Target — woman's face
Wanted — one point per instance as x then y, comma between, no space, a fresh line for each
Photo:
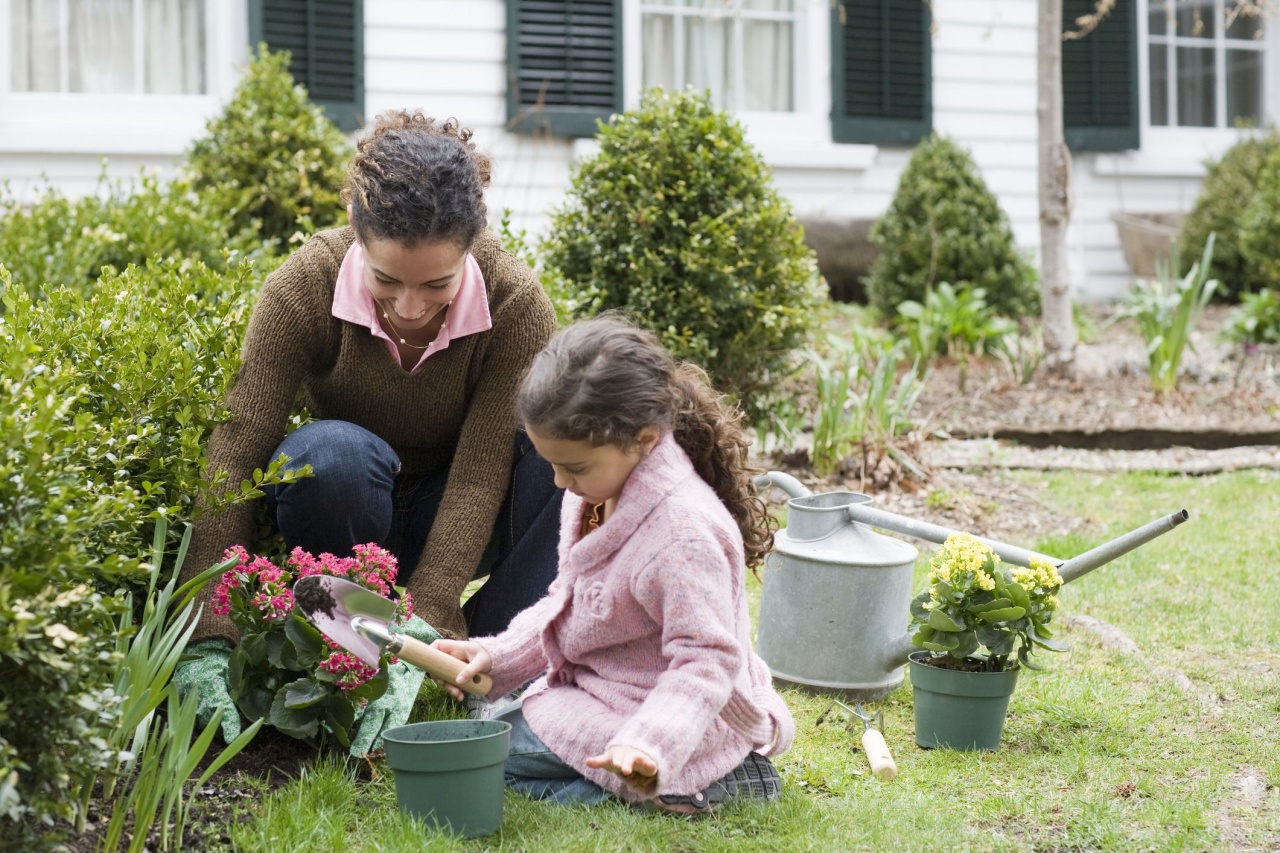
412,284
596,474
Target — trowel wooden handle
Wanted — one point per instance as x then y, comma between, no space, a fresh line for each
439,665
878,755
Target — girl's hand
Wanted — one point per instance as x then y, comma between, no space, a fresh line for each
471,653
624,761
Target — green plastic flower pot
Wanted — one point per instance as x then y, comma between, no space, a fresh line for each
959,710
449,772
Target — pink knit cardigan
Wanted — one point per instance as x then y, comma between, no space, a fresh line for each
645,638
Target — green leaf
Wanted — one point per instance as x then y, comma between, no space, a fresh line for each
304,693
307,641
940,621
1005,614
1050,644
995,604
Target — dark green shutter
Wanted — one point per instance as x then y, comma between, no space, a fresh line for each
565,65
881,71
326,41
1100,80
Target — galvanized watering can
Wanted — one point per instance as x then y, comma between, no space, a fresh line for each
836,595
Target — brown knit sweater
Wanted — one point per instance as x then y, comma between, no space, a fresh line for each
457,411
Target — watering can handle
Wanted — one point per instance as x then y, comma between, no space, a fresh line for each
878,755
793,487
439,665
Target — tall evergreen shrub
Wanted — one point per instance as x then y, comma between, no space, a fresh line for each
944,224
271,158
676,222
1225,209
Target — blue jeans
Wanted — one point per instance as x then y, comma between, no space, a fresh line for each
535,771
358,495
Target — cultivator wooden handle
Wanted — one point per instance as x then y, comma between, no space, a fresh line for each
878,755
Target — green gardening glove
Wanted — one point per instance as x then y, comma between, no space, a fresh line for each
207,676
392,708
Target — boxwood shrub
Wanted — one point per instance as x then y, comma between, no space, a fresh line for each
677,223
944,224
1227,207
271,158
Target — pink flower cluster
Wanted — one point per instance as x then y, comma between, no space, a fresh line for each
258,591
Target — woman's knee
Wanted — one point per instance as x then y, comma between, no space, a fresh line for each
344,458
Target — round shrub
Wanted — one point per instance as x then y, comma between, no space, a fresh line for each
676,222
272,158
1260,228
945,225
1229,186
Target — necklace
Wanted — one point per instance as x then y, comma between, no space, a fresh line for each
386,315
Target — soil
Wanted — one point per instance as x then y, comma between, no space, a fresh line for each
1224,415
955,472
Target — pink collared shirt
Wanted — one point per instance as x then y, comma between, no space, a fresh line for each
468,312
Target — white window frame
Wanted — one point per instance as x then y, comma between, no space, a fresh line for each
1170,150
799,139
107,124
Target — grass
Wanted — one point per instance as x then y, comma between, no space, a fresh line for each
1104,751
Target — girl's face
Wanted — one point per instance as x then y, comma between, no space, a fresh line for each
596,474
412,284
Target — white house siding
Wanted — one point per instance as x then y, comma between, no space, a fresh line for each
449,59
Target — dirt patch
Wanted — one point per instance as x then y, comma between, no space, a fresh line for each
1226,396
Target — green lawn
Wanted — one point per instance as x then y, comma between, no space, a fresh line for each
1173,749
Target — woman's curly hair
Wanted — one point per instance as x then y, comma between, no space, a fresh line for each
415,178
604,380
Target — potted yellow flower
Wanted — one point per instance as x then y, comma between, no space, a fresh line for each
977,623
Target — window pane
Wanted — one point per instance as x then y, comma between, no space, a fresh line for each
1159,85
1196,86
1245,25
766,50
708,53
100,46
174,45
1158,17
658,63
768,5
35,42
1196,19
1244,87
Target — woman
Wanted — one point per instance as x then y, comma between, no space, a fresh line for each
405,335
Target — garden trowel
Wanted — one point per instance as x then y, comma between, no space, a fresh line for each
359,621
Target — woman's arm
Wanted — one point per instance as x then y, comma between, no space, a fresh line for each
481,469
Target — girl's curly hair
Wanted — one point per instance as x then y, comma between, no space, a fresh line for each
414,178
604,380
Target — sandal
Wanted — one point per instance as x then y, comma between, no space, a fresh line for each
755,778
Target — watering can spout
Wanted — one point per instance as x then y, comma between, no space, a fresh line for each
793,487
1105,553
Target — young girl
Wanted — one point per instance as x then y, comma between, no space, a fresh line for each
651,689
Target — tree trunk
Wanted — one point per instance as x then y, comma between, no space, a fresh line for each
1055,196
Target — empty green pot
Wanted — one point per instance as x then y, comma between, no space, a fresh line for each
959,710
449,772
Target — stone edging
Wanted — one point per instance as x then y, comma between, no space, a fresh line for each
990,453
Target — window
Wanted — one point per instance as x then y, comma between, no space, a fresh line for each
1206,63
741,50
108,46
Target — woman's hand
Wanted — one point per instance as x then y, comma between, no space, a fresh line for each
625,761
473,654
